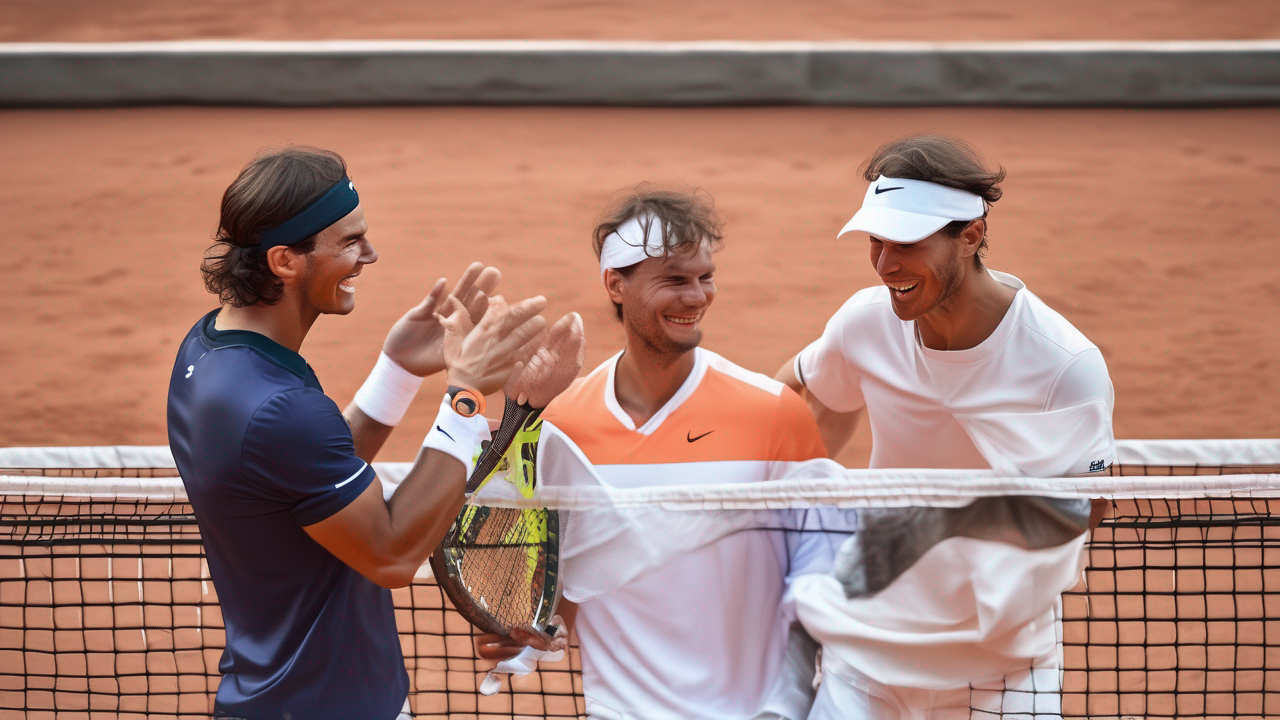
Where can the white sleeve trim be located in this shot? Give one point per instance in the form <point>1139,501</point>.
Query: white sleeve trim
<point>354,475</point>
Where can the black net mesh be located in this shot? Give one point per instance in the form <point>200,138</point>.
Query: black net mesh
<point>1178,614</point>
<point>107,610</point>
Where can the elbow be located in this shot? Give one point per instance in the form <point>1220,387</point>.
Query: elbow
<point>399,563</point>
<point>395,572</point>
<point>393,576</point>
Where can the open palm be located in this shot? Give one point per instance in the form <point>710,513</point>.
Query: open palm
<point>549,363</point>
<point>416,340</point>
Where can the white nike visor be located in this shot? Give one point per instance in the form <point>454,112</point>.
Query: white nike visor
<point>907,211</point>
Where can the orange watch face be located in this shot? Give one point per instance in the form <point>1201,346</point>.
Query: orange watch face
<point>466,403</point>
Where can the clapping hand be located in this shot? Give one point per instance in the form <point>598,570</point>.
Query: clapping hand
<point>482,355</point>
<point>549,363</point>
<point>416,340</point>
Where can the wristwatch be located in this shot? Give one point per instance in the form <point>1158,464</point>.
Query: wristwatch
<point>465,401</point>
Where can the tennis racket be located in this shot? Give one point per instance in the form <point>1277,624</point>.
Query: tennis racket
<point>500,566</point>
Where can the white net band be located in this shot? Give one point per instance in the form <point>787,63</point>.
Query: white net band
<point>817,483</point>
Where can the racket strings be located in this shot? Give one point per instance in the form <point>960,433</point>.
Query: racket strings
<point>501,562</point>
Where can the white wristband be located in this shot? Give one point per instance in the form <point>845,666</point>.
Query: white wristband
<point>457,436</point>
<point>387,392</point>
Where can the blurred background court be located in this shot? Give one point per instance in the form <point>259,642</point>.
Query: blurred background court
<point>1149,229</point>
<point>978,20</point>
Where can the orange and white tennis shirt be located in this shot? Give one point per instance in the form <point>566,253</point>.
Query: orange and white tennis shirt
<point>703,637</point>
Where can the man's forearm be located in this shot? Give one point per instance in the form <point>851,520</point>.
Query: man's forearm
<point>836,428</point>
<point>425,505</point>
<point>369,434</point>
<point>388,540</point>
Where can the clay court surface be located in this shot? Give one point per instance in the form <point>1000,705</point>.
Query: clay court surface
<point>1152,231</point>
<point>960,20</point>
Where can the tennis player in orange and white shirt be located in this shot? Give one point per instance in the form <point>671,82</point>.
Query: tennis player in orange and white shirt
<point>704,636</point>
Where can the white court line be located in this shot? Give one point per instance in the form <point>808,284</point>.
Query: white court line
<point>357,47</point>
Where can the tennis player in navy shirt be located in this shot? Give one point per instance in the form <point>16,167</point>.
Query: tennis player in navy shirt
<point>301,544</point>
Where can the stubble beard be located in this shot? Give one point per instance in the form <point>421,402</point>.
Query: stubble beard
<point>659,343</point>
<point>949,279</point>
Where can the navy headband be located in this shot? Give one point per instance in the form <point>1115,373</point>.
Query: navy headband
<point>337,202</point>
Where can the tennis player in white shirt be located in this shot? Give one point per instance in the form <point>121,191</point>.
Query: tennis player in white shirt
<point>955,366</point>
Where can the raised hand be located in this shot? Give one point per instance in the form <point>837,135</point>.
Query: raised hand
<point>482,355</point>
<point>548,363</point>
<point>416,340</point>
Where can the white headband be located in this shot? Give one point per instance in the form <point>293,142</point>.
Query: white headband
<point>907,211</point>
<point>629,244</point>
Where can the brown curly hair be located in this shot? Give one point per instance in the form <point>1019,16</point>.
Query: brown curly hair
<point>688,217</point>
<point>273,187</point>
<point>944,160</point>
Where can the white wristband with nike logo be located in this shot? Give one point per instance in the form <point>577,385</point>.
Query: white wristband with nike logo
<point>457,436</point>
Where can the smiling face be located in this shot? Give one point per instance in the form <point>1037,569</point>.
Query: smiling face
<point>920,276</point>
<point>341,252</point>
<point>664,299</point>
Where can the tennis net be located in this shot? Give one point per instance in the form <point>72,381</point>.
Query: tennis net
<point>107,609</point>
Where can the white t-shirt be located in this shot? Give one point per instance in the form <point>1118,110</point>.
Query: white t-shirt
<point>702,638</point>
<point>1034,398</point>
<point>1011,395</point>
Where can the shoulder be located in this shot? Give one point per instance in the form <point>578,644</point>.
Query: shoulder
<point>1079,372</point>
<point>299,433</point>
<point>860,334</point>
<point>1047,326</point>
<point>298,402</point>
<point>196,330</point>
<point>866,304</point>
<point>748,391</point>
<point>1083,379</point>
<point>743,383</point>
<point>867,315</point>
<point>298,412</point>
<point>785,425</point>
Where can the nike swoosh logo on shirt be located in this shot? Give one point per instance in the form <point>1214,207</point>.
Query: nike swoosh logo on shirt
<point>690,438</point>
<point>885,190</point>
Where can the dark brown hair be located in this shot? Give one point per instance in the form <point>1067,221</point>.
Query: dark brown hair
<point>688,219</point>
<point>943,160</point>
<point>273,187</point>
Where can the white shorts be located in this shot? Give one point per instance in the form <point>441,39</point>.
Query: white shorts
<point>1031,694</point>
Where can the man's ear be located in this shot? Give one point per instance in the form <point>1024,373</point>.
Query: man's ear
<point>613,284</point>
<point>285,263</point>
<point>971,237</point>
